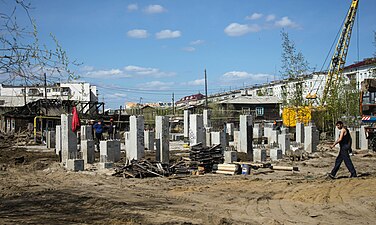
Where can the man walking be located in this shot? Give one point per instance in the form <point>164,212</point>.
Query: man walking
<point>344,141</point>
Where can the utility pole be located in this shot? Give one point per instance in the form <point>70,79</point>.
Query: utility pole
<point>173,103</point>
<point>45,91</point>
<point>206,91</point>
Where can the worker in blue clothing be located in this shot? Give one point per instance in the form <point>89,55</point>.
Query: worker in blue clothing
<point>98,127</point>
<point>344,142</point>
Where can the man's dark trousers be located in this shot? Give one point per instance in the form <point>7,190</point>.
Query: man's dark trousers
<point>343,156</point>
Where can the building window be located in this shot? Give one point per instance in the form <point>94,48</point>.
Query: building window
<point>259,111</point>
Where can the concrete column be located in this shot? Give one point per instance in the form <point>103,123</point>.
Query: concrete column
<point>219,138</point>
<point>363,140</point>
<point>87,149</point>
<point>311,138</point>
<point>236,141</point>
<point>58,140</point>
<point>230,132</point>
<point>273,138</point>
<point>136,138</point>
<point>162,133</point>
<point>106,153</point>
<point>230,156</point>
<point>75,164</point>
<point>245,135</point>
<point>69,139</point>
<point>126,140</point>
<point>187,113</point>
<point>300,132</point>
<point>284,142</point>
<point>149,139</point>
<point>259,155</point>
<point>51,139</point>
<point>206,117</point>
<point>208,137</point>
<point>257,131</point>
<point>196,130</point>
<point>275,154</point>
<point>336,135</point>
<point>116,146</point>
<point>86,132</point>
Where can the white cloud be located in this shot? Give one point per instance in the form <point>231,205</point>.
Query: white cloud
<point>132,7</point>
<point>270,17</point>
<point>189,49</point>
<point>197,42</point>
<point>236,29</point>
<point>166,34</point>
<point>153,9</point>
<point>87,68</point>
<point>285,22</point>
<point>137,33</point>
<point>119,95</point>
<point>254,16</point>
<point>156,85</point>
<point>241,75</point>
<point>112,73</point>
<point>146,71</point>
<point>198,82</point>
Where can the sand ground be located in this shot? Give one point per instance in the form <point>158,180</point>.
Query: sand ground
<point>40,191</point>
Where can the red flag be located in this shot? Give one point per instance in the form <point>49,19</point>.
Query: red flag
<point>75,119</point>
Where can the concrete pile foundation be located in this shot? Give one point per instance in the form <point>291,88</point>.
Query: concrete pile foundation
<point>87,132</point>
<point>219,138</point>
<point>149,139</point>
<point>87,149</point>
<point>230,156</point>
<point>284,142</point>
<point>51,139</point>
<point>311,138</point>
<point>196,130</point>
<point>162,134</point>
<point>275,154</point>
<point>136,148</point>
<point>300,132</point>
<point>259,155</point>
<point>69,139</point>
<point>187,113</point>
<point>246,136</point>
<point>58,140</point>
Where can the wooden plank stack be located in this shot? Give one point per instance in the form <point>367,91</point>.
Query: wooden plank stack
<point>206,156</point>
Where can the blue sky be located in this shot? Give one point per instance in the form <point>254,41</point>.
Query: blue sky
<point>146,50</point>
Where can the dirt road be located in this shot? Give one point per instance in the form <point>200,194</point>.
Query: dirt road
<point>39,191</point>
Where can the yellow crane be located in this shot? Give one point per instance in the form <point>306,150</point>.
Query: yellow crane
<point>303,114</point>
<point>338,60</point>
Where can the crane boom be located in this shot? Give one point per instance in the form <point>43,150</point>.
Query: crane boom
<point>338,60</point>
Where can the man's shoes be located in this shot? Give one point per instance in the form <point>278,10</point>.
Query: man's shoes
<point>353,176</point>
<point>331,176</point>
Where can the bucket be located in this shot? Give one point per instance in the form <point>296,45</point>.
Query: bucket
<point>246,170</point>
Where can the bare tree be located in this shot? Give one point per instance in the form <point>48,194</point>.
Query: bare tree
<point>23,59</point>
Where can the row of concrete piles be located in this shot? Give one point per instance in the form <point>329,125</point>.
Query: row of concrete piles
<point>67,147</point>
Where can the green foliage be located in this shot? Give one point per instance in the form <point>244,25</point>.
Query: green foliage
<point>293,62</point>
<point>293,66</point>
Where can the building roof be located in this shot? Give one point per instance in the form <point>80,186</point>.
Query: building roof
<point>365,62</point>
<point>255,100</point>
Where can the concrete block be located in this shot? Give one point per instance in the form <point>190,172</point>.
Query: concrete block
<point>117,150</point>
<point>107,150</point>
<point>187,113</point>
<point>162,133</point>
<point>219,137</point>
<point>245,135</point>
<point>208,138</point>
<point>257,131</point>
<point>75,164</point>
<point>149,139</point>
<point>230,129</point>
<point>87,132</point>
<point>236,141</point>
<point>230,156</point>
<point>284,142</point>
<point>58,140</point>
<point>362,138</point>
<point>259,155</point>
<point>51,139</point>
<point>275,154</point>
<point>206,118</point>
<point>136,148</point>
<point>196,130</point>
<point>69,139</point>
<point>105,165</point>
<point>299,132</point>
<point>87,149</point>
<point>311,139</point>
<point>273,138</point>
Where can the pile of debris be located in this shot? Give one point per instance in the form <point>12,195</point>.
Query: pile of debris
<point>206,157</point>
<point>141,169</point>
<point>10,139</point>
